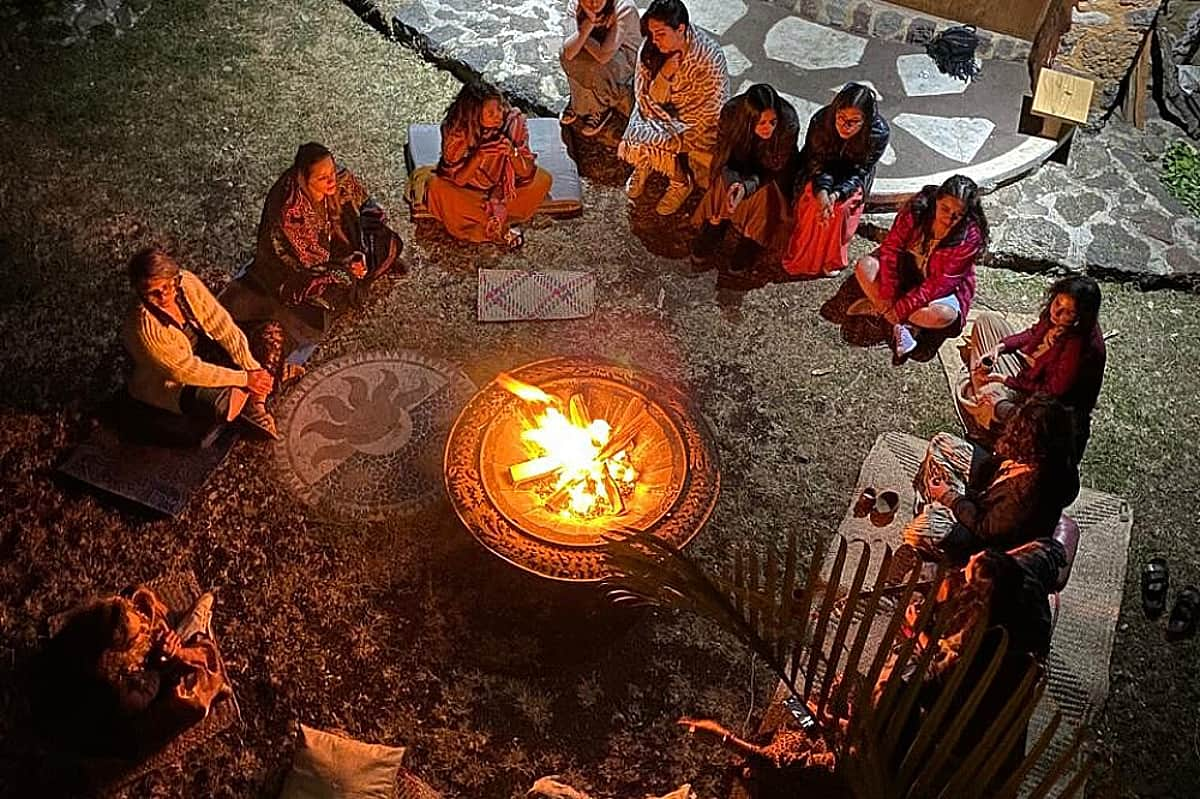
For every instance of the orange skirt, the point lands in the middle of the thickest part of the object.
(819, 246)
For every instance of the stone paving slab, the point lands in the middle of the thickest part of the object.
(941, 126)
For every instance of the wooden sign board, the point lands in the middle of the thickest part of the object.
(1063, 96)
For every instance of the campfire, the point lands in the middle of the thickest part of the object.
(579, 464)
(548, 459)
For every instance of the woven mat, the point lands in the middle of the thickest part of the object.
(1083, 636)
(954, 367)
(509, 295)
(179, 592)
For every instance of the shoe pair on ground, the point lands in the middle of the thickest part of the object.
(902, 340)
(708, 240)
(592, 123)
(1181, 624)
(673, 198)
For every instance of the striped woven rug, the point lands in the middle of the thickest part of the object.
(512, 295)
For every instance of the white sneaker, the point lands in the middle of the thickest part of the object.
(636, 183)
(198, 619)
(903, 343)
(674, 197)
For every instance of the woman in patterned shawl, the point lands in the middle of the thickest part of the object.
(598, 56)
(681, 85)
(487, 177)
(845, 140)
(750, 178)
(321, 237)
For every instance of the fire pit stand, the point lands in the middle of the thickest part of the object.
(673, 453)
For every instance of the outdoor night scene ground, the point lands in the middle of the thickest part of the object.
(416, 561)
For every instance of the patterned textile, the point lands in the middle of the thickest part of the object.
(299, 241)
(507, 295)
(497, 173)
(948, 458)
(680, 114)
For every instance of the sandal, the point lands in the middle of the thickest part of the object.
(514, 239)
(1155, 579)
(1182, 623)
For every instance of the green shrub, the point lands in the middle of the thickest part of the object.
(1181, 174)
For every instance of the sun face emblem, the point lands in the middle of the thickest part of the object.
(363, 433)
(374, 421)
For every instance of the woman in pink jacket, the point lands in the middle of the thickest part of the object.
(923, 275)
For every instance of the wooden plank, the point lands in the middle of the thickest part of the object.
(1019, 18)
(1055, 21)
(1133, 107)
(1061, 95)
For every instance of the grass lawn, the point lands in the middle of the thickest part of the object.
(408, 633)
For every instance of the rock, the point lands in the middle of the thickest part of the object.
(1114, 249)
(1077, 207)
(887, 24)
(1086, 18)
(860, 19)
(1141, 19)
(1034, 240)
(1181, 261)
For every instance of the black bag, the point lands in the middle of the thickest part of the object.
(953, 50)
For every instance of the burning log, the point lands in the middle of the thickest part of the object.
(534, 469)
(578, 411)
(624, 434)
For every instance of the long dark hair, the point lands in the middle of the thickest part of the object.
(774, 152)
(857, 148)
(464, 112)
(961, 187)
(671, 13)
(1086, 293)
(1040, 431)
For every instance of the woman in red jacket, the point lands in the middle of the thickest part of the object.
(923, 275)
(1062, 354)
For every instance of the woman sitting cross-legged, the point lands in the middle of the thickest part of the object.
(976, 500)
(845, 140)
(750, 176)
(487, 179)
(681, 84)
(923, 274)
(188, 355)
(321, 237)
(599, 56)
(1062, 354)
(118, 681)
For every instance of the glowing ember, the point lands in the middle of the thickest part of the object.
(579, 466)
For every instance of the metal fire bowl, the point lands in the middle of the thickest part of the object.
(675, 455)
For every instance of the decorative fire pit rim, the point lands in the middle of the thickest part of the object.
(480, 514)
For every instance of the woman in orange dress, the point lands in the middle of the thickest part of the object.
(845, 140)
(487, 178)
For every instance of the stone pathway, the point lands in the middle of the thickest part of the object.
(939, 125)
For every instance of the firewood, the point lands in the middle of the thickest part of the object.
(534, 469)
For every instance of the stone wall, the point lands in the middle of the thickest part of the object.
(69, 21)
(1103, 41)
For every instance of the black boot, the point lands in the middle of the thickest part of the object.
(745, 256)
(706, 242)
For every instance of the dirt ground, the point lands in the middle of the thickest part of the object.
(410, 633)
